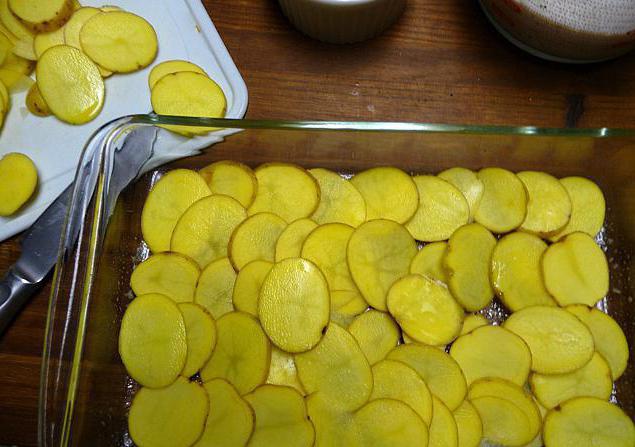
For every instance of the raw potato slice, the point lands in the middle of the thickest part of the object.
(119, 41)
(469, 425)
(13, 24)
(592, 380)
(492, 351)
(152, 340)
(282, 370)
(242, 353)
(248, 284)
(42, 16)
(172, 417)
(169, 274)
(15, 76)
(169, 67)
(290, 242)
(548, 203)
(167, 201)
(442, 209)
(576, 271)
(468, 183)
(439, 371)
(588, 207)
(517, 272)
(472, 322)
(70, 84)
(294, 305)
(443, 429)
(340, 201)
(230, 421)
(336, 370)
(587, 421)
(286, 190)
(200, 332)
(215, 288)
(503, 206)
(608, 337)
(281, 417)
(18, 180)
(389, 193)
(232, 179)
(346, 305)
(467, 261)
(503, 422)
(24, 49)
(558, 341)
(43, 42)
(379, 252)
(255, 239)
(35, 103)
(389, 422)
(425, 310)
(429, 262)
(73, 27)
(5, 97)
(333, 426)
(396, 380)
(377, 334)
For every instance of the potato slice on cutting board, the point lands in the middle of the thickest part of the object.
(173, 416)
(170, 67)
(169, 274)
(588, 207)
(248, 284)
(548, 203)
(255, 239)
(200, 332)
(468, 424)
(44, 41)
(503, 422)
(340, 201)
(429, 262)
(290, 242)
(503, 207)
(443, 429)
(35, 102)
(283, 371)
(389, 422)
(232, 179)
(215, 288)
(334, 427)
(346, 305)
(472, 322)
(468, 183)
(42, 16)
(18, 181)
(377, 334)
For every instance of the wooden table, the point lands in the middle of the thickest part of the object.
(442, 63)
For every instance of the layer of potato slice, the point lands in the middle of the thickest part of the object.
(334, 427)
(429, 262)
(215, 288)
(346, 305)
(290, 242)
(503, 422)
(467, 262)
(389, 422)
(230, 178)
(255, 239)
(44, 41)
(389, 193)
(248, 284)
(588, 207)
(42, 16)
(379, 252)
(169, 67)
(18, 181)
(340, 201)
(169, 274)
(468, 425)
(35, 102)
(73, 27)
(503, 206)
(200, 332)
(559, 342)
(15, 74)
(283, 371)
(492, 351)
(242, 354)
(173, 416)
(5, 96)
(575, 270)
(14, 25)
(443, 429)
(377, 334)
(548, 203)
(442, 209)
(281, 417)
(152, 340)
(468, 183)
(471, 322)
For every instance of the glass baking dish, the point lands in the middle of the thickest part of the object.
(85, 391)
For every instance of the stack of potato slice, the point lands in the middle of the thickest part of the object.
(290, 307)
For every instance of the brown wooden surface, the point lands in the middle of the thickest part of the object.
(442, 62)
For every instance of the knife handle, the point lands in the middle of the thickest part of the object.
(14, 294)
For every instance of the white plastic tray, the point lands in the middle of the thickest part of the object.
(185, 31)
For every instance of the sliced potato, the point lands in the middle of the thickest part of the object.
(172, 66)
(42, 16)
(548, 203)
(248, 284)
(44, 41)
(14, 25)
(468, 183)
(429, 262)
(230, 178)
(503, 206)
(377, 334)
(24, 49)
(215, 288)
(255, 239)
(152, 340)
(73, 27)
(389, 422)
(472, 322)
(334, 427)
(5, 97)
(169, 274)
(290, 242)
(389, 193)
(443, 429)
(340, 201)
(200, 331)
(588, 207)
(346, 305)
(14, 78)
(503, 422)
(35, 102)
(468, 424)
(282, 370)
(18, 181)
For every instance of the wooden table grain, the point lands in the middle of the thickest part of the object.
(442, 62)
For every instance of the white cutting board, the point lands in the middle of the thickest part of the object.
(185, 31)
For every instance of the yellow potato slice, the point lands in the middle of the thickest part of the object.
(215, 288)
(468, 424)
(255, 239)
(169, 67)
(608, 337)
(425, 310)
(492, 351)
(232, 179)
(14, 25)
(44, 41)
(467, 261)
(294, 305)
(439, 371)
(429, 262)
(5, 97)
(576, 271)
(396, 380)
(70, 84)
(169, 274)
(173, 416)
(282, 370)
(24, 49)
(377, 334)
(346, 305)
(443, 429)
(174, 193)
(42, 16)
(442, 209)
(503, 422)
(248, 284)
(242, 353)
(230, 421)
(73, 27)
(334, 427)
(286, 190)
(472, 322)
(152, 340)
(588, 421)
(389, 422)
(336, 370)
(468, 183)
(290, 242)
(340, 201)
(204, 229)
(389, 194)
(588, 207)
(35, 103)
(517, 273)
(592, 380)
(14, 78)
(503, 206)
(18, 181)
(559, 342)
(281, 417)
(200, 332)
(379, 252)
(548, 203)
